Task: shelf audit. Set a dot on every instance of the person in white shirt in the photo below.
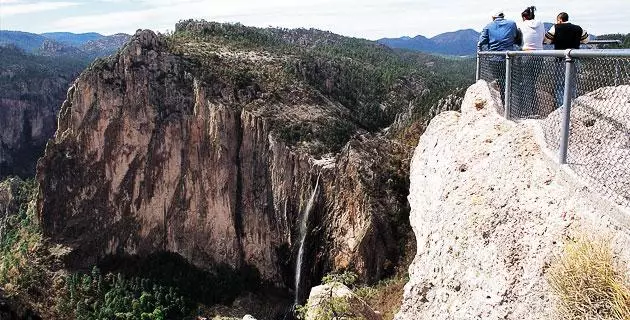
(532, 30)
(532, 34)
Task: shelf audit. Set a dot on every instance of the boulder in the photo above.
(336, 301)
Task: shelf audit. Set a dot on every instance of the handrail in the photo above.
(605, 41)
(568, 56)
(577, 53)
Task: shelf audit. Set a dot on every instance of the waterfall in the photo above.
(303, 232)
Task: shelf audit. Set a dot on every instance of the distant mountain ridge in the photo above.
(80, 45)
(72, 39)
(459, 43)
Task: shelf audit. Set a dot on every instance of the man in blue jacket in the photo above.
(499, 35)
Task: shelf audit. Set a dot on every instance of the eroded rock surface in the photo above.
(490, 210)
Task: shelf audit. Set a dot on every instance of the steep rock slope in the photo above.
(210, 142)
(31, 89)
(490, 210)
(33, 85)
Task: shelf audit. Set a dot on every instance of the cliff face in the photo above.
(490, 209)
(159, 150)
(31, 89)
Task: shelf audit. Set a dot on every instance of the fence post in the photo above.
(478, 73)
(508, 84)
(617, 76)
(569, 76)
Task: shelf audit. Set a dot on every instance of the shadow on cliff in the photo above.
(223, 285)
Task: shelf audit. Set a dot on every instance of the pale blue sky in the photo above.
(370, 19)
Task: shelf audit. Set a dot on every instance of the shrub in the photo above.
(331, 306)
(588, 284)
(109, 296)
(348, 278)
(20, 242)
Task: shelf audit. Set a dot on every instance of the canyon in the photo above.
(214, 150)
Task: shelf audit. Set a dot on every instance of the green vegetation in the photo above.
(97, 296)
(330, 306)
(588, 283)
(21, 66)
(20, 240)
(385, 296)
(161, 286)
(372, 82)
(222, 285)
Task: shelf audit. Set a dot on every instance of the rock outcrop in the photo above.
(491, 208)
(8, 198)
(336, 301)
(188, 149)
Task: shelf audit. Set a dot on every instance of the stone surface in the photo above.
(327, 298)
(490, 210)
(599, 143)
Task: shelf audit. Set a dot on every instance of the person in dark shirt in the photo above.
(565, 35)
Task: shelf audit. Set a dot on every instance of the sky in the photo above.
(370, 19)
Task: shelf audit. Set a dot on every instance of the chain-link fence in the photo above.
(582, 100)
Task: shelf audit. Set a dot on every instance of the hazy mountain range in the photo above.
(86, 45)
(459, 43)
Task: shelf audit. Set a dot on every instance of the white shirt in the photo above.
(533, 32)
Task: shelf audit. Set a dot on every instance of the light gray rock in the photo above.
(345, 302)
(248, 317)
(490, 210)
(599, 144)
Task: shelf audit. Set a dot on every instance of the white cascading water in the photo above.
(303, 232)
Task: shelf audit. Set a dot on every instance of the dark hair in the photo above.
(528, 14)
(563, 16)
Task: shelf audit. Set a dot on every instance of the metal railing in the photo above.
(596, 44)
(550, 85)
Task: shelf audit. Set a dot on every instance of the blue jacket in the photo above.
(499, 35)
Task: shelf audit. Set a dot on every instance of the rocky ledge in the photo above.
(491, 209)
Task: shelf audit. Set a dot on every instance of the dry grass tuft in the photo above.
(588, 284)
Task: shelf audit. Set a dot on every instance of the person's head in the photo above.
(562, 17)
(528, 14)
(497, 14)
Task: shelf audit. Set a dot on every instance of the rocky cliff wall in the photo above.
(156, 153)
(32, 89)
(491, 208)
(27, 120)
